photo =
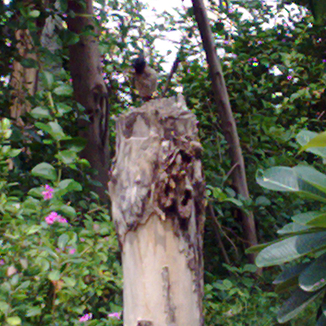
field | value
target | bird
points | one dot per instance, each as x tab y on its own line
145	78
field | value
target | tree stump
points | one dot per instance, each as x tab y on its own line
157	193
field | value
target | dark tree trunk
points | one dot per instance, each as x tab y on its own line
90	89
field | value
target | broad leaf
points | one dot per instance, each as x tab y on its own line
66	156
291	272
304	180
322	318
56	131
40	113
45	170
291	248
318	222
69	185
293	228
63	90
75	144
317	141
314	277
63	109
12	321
54	275
288	285
306	218
296	303
62	241
47	79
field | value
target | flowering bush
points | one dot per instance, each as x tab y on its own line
58	253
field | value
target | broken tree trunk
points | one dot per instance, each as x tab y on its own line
157	193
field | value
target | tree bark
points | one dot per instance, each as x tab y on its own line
90	89
23	80
227	119
157	193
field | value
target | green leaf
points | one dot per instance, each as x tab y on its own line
47	79
40	113
234	201
69	281
313	278
4	307
69	185
67	156
33	229
14	321
56	131
293	228
75	144
14	152
63	109
305	218
295	304
43	126
68	37
45	170
36	192
317	141
33	311
63	90
290	272
262	201
34	13
318	222
260	247
304	180
44	264
54	275
67	211
29	63
291	248
62	241
287	285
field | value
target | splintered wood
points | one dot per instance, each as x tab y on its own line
157	193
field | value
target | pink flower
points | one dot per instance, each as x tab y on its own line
55	217
82	240
85	317
2	262
62	220
52	217
116	315
48	192
72	251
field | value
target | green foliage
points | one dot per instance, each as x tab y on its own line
305	242
53	272
241	300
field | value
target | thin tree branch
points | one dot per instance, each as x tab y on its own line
172	72
227	119
217	229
